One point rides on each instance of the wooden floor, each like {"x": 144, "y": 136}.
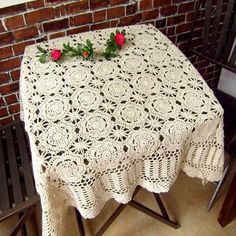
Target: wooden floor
{"x": 186, "y": 202}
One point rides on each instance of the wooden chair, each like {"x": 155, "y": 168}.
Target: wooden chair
{"x": 229, "y": 105}
{"x": 218, "y": 33}
{"x": 18, "y": 194}
{"x": 217, "y": 46}
{"x": 228, "y": 210}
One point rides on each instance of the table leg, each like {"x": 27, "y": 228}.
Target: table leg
{"x": 114, "y": 215}
{"x": 164, "y": 218}
{"x": 80, "y": 223}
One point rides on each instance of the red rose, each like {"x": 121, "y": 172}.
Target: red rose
{"x": 85, "y": 54}
{"x": 56, "y": 54}
{"x": 120, "y": 39}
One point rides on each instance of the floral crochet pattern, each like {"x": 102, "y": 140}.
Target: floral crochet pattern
{"x": 100, "y": 128}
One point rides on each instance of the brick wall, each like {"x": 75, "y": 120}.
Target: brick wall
{"x": 41, "y": 20}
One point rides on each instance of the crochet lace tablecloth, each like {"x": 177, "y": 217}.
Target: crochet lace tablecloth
{"x": 100, "y": 128}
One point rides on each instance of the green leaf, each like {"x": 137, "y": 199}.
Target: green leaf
{"x": 123, "y": 32}
{"x": 42, "y": 58}
{"x": 117, "y": 31}
{"x": 112, "y": 36}
{"x": 41, "y": 49}
{"x": 88, "y": 42}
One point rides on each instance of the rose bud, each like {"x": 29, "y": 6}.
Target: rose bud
{"x": 85, "y": 54}
{"x": 120, "y": 39}
{"x": 56, "y": 54}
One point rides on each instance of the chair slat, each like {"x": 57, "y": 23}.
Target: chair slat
{"x": 216, "y": 25}
{"x": 232, "y": 59}
{"x": 223, "y": 32}
{"x": 13, "y": 167}
{"x": 30, "y": 189}
{"x": 206, "y": 25}
{"x": 4, "y": 196}
{"x": 230, "y": 42}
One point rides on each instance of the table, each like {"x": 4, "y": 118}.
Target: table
{"x": 100, "y": 128}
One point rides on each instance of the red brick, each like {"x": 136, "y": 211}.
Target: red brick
{"x": 62, "y": 10}
{"x": 81, "y": 19}
{"x": 76, "y": 7}
{"x": 99, "y": 15}
{"x": 12, "y": 9}
{"x": 4, "y": 78}
{"x": 173, "y": 39}
{"x": 131, "y": 9}
{"x": 57, "y": 35}
{"x": 56, "y": 25}
{"x": 198, "y": 33}
{"x": 3, "y": 112}
{"x": 183, "y": 37}
{"x": 15, "y": 108}
{"x": 5, "y": 120}
{"x": 26, "y": 33}
{"x": 15, "y": 75}
{"x": 54, "y": 1}
{"x": 9, "y": 88}
{"x": 200, "y": 23}
{"x": 158, "y": 3}
{"x": 186, "y": 7}
{"x": 5, "y": 52}
{"x": 2, "y": 103}
{"x": 161, "y": 23}
{"x": 115, "y": 12}
{"x": 175, "y": 20}
{"x": 179, "y": 1}
{"x": 14, "y": 22}
{"x": 196, "y": 42}
{"x": 163, "y": 30}
{"x": 40, "y": 15}
{"x": 11, "y": 99}
{"x": 147, "y": 15}
{"x": 183, "y": 28}
{"x": 2, "y": 29}
{"x": 114, "y": 23}
{"x": 171, "y": 31}
{"x": 190, "y": 16}
{"x": 39, "y": 40}
{"x": 35, "y": 4}
{"x": 58, "y": 11}
{"x": 17, "y": 116}
{"x": 40, "y": 28}
{"x": 130, "y": 20}
{"x": 20, "y": 47}
{"x": 99, "y": 26}
{"x": 9, "y": 64}
{"x": 98, "y": 3}
{"x": 117, "y": 2}
{"x": 6, "y": 38}
{"x": 78, "y": 30}
{"x": 170, "y": 10}
{"x": 145, "y": 4}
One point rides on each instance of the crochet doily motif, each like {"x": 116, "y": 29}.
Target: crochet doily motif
{"x": 100, "y": 128}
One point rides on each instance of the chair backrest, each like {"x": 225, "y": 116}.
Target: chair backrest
{"x": 16, "y": 179}
{"x": 215, "y": 23}
{"x": 229, "y": 105}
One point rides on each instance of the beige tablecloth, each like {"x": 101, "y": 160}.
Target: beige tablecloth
{"x": 98, "y": 129}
